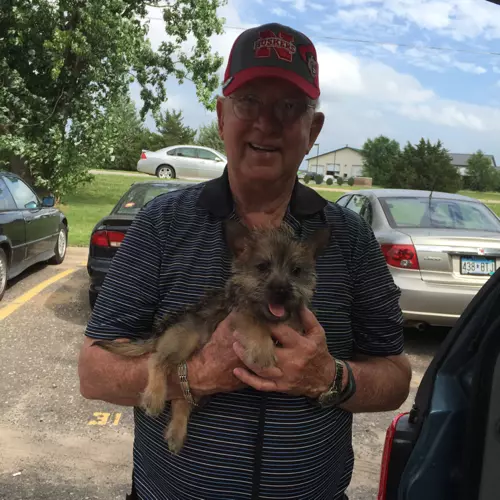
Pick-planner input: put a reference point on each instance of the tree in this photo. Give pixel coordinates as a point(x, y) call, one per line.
point(379, 158)
point(63, 61)
point(171, 131)
point(425, 166)
point(125, 134)
point(481, 174)
point(208, 136)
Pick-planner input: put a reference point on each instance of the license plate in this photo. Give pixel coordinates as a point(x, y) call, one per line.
point(478, 266)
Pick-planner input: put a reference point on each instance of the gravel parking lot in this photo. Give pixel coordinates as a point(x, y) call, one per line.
point(55, 444)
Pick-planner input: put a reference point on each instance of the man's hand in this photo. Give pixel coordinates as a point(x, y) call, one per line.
point(211, 370)
point(304, 366)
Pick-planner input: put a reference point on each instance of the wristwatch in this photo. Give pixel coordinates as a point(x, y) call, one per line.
point(334, 395)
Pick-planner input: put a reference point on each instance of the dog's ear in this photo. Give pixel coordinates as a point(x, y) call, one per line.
point(319, 240)
point(237, 235)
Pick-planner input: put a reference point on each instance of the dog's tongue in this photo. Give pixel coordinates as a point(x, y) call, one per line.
point(277, 310)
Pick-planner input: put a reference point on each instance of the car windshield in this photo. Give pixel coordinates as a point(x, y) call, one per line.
point(417, 212)
point(139, 195)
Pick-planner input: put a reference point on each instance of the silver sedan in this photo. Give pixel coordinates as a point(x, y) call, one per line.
point(441, 248)
point(182, 161)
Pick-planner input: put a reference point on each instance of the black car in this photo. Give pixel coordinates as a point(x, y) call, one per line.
point(31, 229)
point(110, 231)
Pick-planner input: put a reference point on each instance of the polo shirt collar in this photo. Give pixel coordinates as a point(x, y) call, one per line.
point(216, 197)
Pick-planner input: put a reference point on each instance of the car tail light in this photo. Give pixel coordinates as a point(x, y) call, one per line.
point(386, 457)
point(402, 256)
point(143, 156)
point(107, 238)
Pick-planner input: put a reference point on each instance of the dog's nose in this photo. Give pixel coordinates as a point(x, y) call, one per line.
point(280, 292)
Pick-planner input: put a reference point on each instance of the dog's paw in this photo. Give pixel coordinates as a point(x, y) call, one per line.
point(175, 436)
point(262, 356)
point(152, 403)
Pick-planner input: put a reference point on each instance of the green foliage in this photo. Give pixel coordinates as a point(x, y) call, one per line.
point(481, 174)
point(425, 166)
point(307, 178)
point(421, 166)
point(350, 181)
point(208, 136)
point(379, 158)
point(329, 181)
point(171, 131)
point(318, 178)
point(340, 181)
point(63, 62)
point(125, 133)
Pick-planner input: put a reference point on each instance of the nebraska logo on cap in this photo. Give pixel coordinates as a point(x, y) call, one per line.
point(282, 44)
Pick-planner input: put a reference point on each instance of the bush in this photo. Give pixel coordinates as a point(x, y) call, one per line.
point(329, 181)
point(350, 181)
point(319, 178)
point(307, 178)
point(340, 181)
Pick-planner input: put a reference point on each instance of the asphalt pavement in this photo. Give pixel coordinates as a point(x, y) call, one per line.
point(56, 445)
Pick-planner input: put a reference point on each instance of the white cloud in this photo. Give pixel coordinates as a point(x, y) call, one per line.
point(457, 19)
point(440, 61)
point(362, 97)
point(316, 6)
point(300, 5)
point(280, 12)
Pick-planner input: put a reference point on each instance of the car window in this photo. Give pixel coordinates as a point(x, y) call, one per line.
point(446, 214)
point(139, 195)
point(6, 200)
point(186, 152)
point(343, 200)
point(356, 203)
point(22, 194)
point(207, 155)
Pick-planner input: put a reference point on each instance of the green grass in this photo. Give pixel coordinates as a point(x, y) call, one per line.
point(487, 195)
point(92, 201)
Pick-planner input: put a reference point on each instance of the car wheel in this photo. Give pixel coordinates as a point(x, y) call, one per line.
point(61, 246)
point(3, 272)
point(165, 172)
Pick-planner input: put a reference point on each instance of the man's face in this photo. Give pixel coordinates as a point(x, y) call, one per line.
point(265, 147)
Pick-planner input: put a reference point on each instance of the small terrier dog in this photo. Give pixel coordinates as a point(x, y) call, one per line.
point(273, 276)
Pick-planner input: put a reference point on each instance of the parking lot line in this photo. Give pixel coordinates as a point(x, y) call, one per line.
point(17, 303)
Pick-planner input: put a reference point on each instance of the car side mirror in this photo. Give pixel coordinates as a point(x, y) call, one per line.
point(48, 201)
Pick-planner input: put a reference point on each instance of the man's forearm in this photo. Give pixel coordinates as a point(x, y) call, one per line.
point(382, 384)
point(115, 379)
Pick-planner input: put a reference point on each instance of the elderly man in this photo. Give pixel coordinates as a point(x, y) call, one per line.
point(284, 432)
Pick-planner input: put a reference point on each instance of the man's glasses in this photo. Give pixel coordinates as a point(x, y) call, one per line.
point(249, 108)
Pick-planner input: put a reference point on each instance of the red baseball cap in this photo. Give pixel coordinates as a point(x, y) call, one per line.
point(273, 50)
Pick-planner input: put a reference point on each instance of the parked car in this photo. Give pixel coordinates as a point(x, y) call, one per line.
point(110, 231)
point(447, 446)
point(182, 161)
point(31, 229)
point(441, 248)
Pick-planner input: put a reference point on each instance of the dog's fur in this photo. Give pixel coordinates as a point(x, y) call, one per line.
point(273, 276)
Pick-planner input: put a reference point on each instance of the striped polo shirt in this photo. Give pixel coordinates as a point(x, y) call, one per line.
point(247, 444)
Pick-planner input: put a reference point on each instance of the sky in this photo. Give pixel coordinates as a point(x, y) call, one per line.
point(406, 69)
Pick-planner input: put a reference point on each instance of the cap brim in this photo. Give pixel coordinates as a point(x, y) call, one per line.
point(249, 74)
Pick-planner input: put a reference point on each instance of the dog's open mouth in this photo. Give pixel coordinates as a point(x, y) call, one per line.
point(277, 310)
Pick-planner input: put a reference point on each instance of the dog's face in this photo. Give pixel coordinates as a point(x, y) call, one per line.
point(273, 273)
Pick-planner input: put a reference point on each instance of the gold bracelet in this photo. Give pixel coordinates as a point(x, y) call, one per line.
point(182, 372)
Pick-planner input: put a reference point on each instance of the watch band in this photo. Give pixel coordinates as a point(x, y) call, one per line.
point(350, 389)
point(335, 395)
